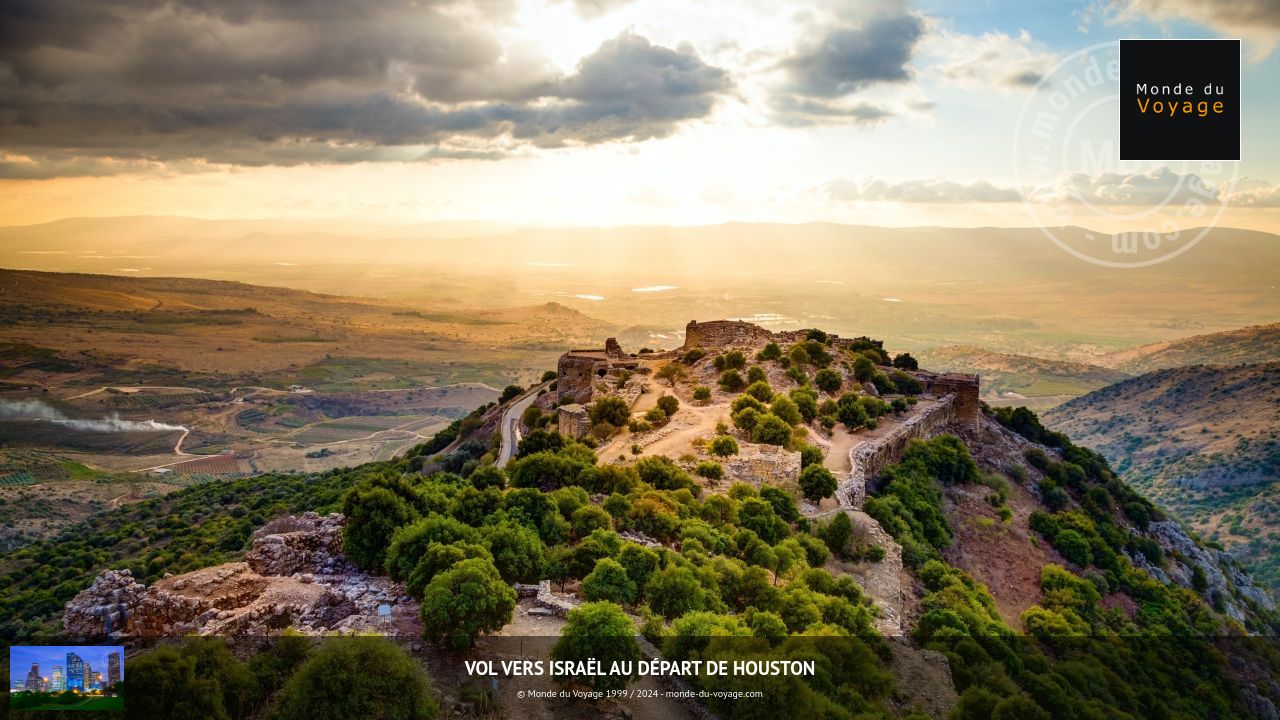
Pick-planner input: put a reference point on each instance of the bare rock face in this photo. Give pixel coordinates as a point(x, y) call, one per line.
point(294, 576)
point(103, 609)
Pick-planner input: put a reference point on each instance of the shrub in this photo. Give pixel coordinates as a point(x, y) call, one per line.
point(755, 374)
point(487, 476)
point(828, 381)
point(731, 381)
point(510, 392)
point(770, 351)
point(399, 690)
point(760, 391)
point(518, 553)
point(785, 408)
point(817, 482)
point(662, 473)
point(655, 416)
point(611, 410)
point(709, 470)
point(461, 603)
point(598, 631)
point(437, 558)
point(836, 534)
point(1074, 547)
point(702, 393)
point(905, 362)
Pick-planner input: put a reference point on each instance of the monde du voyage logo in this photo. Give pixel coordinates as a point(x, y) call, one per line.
point(1180, 100)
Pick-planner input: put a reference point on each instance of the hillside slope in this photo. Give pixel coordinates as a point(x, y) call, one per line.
point(1201, 440)
point(1254, 344)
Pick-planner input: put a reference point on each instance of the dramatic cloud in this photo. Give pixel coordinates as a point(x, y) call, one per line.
point(935, 190)
point(845, 60)
point(297, 82)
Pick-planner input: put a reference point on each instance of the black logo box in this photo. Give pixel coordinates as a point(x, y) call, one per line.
point(1188, 64)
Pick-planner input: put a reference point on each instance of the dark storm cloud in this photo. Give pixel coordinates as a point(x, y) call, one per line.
point(844, 61)
point(85, 84)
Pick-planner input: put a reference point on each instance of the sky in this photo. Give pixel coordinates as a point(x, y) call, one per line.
point(21, 657)
point(601, 112)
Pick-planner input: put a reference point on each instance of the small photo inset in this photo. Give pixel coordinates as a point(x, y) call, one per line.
point(66, 677)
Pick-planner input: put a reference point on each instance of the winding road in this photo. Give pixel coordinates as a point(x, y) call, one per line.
point(511, 420)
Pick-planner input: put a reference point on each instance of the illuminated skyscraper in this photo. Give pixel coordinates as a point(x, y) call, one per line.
point(33, 678)
point(57, 679)
point(113, 669)
point(95, 680)
point(75, 672)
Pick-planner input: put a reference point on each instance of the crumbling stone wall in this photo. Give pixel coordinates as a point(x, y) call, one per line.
point(716, 334)
point(760, 465)
point(869, 458)
point(963, 386)
point(294, 576)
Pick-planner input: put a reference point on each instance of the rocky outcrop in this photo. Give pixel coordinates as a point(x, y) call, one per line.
point(294, 576)
point(1186, 556)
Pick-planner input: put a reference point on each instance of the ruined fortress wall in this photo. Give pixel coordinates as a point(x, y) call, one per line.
point(577, 373)
point(724, 334)
point(869, 458)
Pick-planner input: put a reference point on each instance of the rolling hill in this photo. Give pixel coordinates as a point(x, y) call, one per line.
point(1200, 440)
point(1019, 379)
point(1254, 344)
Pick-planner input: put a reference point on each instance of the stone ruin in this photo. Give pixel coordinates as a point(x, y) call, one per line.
point(294, 575)
point(573, 421)
point(578, 371)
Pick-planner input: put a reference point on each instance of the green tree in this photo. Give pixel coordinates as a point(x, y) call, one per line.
point(662, 473)
point(609, 581)
point(669, 404)
point(785, 408)
point(817, 482)
point(510, 392)
point(358, 677)
point(837, 532)
point(589, 518)
point(459, 604)
point(410, 542)
point(518, 553)
point(437, 558)
point(771, 430)
point(724, 446)
point(756, 374)
point(487, 476)
point(610, 409)
point(598, 631)
point(1073, 547)
point(675, 591)
point(373, 515)
point(702, 393)
point(770, 351)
